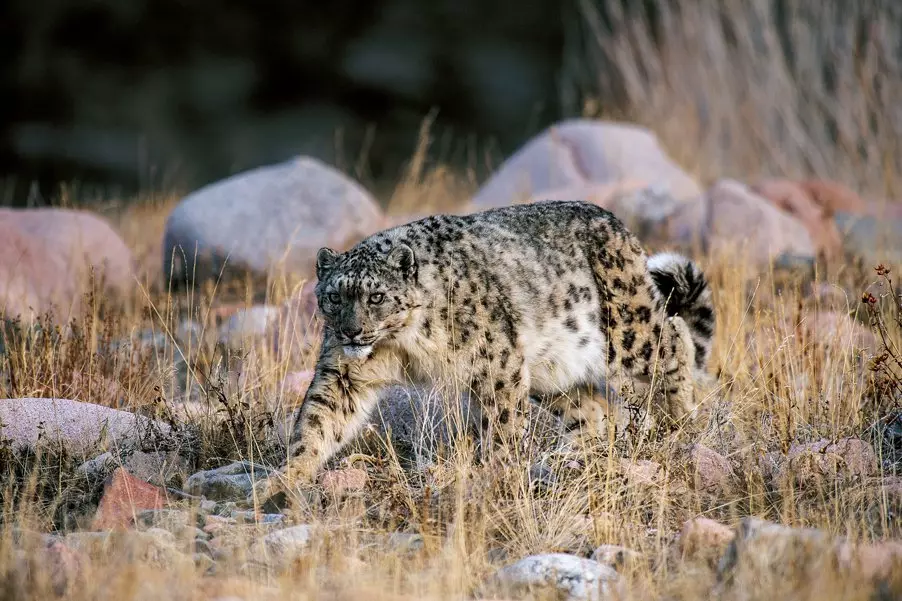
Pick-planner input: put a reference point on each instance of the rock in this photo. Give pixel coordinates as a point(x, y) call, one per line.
point(577, 152)
point(795, 200)
point(419, 421)
point(265, 220)
point(823, 460)
point(214, 523)
point(875, 240)
point(172, 520)
point(406, 542)
point(573, 578)
point(711, 471)
point(787, 559)
point(734, 214)
point(341, 481)
point(47, 257)
point(615, 556)
point(835, 197)
point(248, 325)
point(160, 468)
point(253, 517)
point(285, 545)
point(154, 547)
point(78, 427)
point(704, 539)
point(124, 497)
point(234, 481)
point(642, 472)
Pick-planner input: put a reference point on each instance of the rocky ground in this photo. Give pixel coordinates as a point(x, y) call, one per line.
point(137, 416)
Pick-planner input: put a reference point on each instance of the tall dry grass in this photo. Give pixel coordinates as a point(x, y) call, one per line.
point(717, 87)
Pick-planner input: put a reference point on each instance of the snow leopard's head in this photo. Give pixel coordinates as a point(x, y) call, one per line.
point(366, 294)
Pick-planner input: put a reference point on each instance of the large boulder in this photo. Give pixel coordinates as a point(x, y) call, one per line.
point(48, 257)
point(267, 221)
point(580, 153)
point(79, 428)
point(732, 217)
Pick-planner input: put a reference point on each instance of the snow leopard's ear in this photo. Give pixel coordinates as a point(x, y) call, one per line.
point(401, 257)
point(325, 260)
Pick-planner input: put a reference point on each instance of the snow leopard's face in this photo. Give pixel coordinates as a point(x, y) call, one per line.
point(364, 296)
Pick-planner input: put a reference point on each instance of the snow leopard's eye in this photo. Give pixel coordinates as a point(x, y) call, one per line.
point(376, 298)
point(334, 297)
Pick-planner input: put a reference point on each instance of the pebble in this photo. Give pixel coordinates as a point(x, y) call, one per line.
point(573, 578)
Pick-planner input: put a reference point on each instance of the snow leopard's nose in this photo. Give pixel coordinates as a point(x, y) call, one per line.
point(352, 334)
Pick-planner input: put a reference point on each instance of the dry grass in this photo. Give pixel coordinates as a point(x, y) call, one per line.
point(725, 103)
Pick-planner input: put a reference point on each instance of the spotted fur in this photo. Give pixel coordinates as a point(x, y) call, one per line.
point(539, 299)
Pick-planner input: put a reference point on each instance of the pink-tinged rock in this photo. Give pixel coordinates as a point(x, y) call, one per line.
point(81, 428)
point(794, 562)
point(46, 260)
point(288, 329)
point(735, 219)
point(267, 221)
point(642, 472)
point(578, 152)
point(795, 200)
point(705, 539)
point(711, 471)
point(124, 496)
point(817, 461)
point(343, 480)
point(835, 196)
point(214, 524)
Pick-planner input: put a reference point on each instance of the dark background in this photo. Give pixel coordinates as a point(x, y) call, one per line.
point(117, 97)
point(135, 95)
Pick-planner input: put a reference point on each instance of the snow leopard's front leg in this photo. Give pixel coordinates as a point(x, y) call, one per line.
point(338, 402)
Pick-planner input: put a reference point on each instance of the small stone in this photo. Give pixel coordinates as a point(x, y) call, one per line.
point(642, 472)
point(288, 543)
point(573, 578)
point(342, 481)
point(615, 556)
point(229, 482)
point(215, 523)
point(816, 461)
point(712, 472)
point(154, 546)
point(172, 520)
point(248, 325)
point(406, 542)
point(123, 497)
point(705, 539)
point(761, 552)
point(252, 517)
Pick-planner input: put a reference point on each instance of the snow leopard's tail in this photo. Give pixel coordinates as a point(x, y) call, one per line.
point(682, 288)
